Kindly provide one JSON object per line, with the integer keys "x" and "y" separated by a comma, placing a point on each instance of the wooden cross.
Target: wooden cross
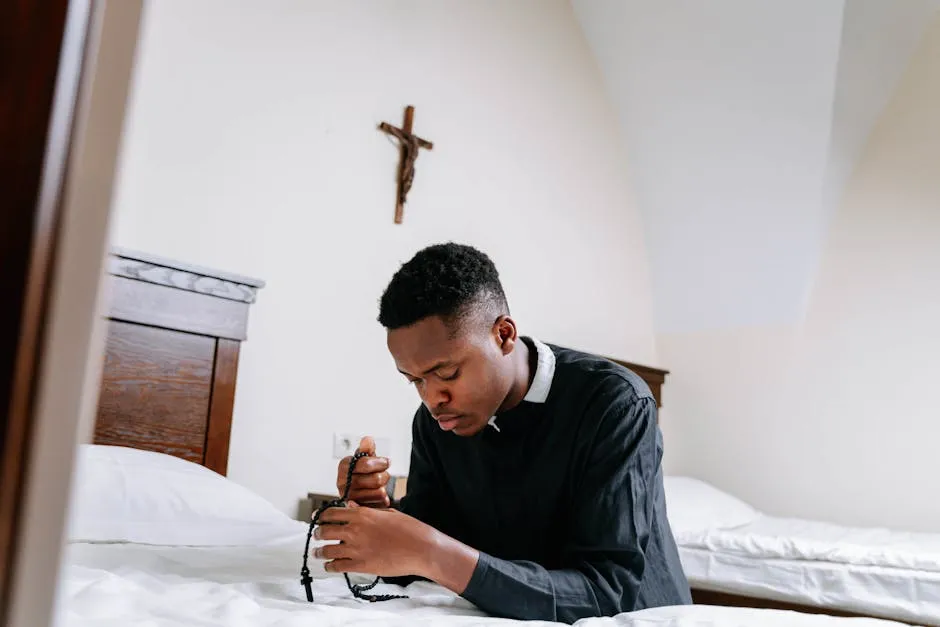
{"x": 410, "y": 144}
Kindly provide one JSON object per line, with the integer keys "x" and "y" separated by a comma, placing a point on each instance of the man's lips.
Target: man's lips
{"x": 447, "y": 422}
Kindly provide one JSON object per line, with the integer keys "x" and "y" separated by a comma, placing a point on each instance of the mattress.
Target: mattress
{"x": 157, "y": 541}
{"x": 124, "y": 584}
{"x": 865, "y": 570}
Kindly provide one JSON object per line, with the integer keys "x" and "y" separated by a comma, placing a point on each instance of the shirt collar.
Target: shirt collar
{"x": 542, "y": 381}
{"x": 544, "y": 374}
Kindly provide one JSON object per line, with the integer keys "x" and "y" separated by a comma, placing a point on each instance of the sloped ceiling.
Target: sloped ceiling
{"x": 742, "y": 121}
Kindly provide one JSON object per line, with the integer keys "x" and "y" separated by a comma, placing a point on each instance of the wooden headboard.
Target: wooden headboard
{"x": 171, "y": 357}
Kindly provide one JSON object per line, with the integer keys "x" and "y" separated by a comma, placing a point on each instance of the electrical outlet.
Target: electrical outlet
{"x": 344, "y": 445}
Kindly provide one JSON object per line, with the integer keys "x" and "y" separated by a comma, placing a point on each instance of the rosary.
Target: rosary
{"x": 358, "y": 590}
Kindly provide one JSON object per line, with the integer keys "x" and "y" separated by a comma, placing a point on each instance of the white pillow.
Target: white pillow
{"x": 695, "y": 507}
{"x": 129, "y": 495}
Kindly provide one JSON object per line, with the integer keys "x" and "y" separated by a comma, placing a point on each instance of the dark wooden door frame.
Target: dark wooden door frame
{"x": 42, "y": 49}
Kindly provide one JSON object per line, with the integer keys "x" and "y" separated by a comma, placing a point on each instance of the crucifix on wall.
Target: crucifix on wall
{"x": 409, "y": 144}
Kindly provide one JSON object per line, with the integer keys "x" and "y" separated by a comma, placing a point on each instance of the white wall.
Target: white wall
{"x": 725, "y": 108}
{"x": 876, "y": 44}
{"x": 742, "y": 120}
{"x": 837, "y": 417}
{"x": 252, "y": 146}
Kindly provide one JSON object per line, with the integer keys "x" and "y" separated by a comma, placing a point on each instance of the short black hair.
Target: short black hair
{"x": 447, "y": 280}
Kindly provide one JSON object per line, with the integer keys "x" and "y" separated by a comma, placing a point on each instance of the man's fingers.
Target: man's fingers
{"x": 364, "y": 466}
{"x": 345, "y": 566}
{"x": 376, "y": 480}
{"x": 333, "y": 552}
{"x": 369, "y": 465}
{"x": 338, "y": 515}
{"x": 331, "y": 532}
{"x": 370, "y": 470}
{"x": 367, "y": 445}
{"x": 384, "y": 503}
{"x": 369, "y": 497}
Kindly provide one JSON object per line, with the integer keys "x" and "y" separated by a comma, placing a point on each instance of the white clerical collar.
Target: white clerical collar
{"x": 542, "y": 381}
{"x": 544, "y": 374}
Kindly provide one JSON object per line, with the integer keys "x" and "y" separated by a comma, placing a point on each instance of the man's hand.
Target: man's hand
{"x": 381, "y": 542}
{"x": 388, "y": 543}
{"x": 369, "y": 477}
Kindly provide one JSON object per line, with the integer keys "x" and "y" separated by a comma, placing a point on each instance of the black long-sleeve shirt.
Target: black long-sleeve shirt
{"x": 562, "y": 496}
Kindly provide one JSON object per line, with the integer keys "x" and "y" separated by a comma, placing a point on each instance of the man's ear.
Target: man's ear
{"x": 506, "y": 334}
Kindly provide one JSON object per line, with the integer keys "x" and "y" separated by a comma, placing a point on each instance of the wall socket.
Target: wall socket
{"x": 344, "y": 445}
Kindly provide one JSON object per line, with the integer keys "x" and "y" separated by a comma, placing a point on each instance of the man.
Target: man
{"x": 535, "y": 489}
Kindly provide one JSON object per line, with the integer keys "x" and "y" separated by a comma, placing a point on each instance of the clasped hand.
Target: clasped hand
{"x": 370, "y": 477}
{"x": 381, "y": 542}
{"x": 373, "y": 539}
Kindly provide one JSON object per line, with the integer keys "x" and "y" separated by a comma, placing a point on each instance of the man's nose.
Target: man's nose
{"x": 436, "y": 396}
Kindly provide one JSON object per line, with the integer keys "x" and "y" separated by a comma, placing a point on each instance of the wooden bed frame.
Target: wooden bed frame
{"x": 171, "y": 357}
{"x": 171, "y": 363}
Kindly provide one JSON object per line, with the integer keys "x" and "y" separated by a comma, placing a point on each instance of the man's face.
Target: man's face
{"x": 462, "y": 378}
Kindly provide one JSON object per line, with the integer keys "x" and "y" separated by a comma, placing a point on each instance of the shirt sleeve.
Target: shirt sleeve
{"x": 609, "y": 527}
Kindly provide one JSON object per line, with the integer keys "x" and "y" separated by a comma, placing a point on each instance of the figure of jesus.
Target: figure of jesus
{"x": 409, "y": 152}
{"x": 410, "y": 144}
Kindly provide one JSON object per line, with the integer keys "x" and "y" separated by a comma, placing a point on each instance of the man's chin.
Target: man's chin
{"x": 468, "y": 430}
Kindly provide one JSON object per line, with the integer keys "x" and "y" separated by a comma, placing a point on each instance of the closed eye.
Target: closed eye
{"x": 449, "y": 377}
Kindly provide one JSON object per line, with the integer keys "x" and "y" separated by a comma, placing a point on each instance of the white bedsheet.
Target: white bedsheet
{"x": 872, "y": 571}
{"x": 111, "y": 585}
{"x": 797, "y": 539}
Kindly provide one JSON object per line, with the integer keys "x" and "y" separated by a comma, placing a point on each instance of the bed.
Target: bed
{"x": 159, "y": 535}
{"x": 734, "y": 554}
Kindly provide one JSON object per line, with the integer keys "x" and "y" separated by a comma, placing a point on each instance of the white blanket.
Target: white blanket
{"x": 129, "y": 585}
{"x": 796, "y": 539}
